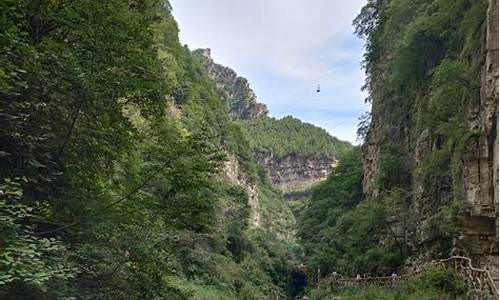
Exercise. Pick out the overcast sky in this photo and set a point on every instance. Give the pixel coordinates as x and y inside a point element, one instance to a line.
<point>285,48</point>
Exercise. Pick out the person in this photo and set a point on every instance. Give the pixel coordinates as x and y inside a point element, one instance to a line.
<point>358,277</point>
<point>394,276</point>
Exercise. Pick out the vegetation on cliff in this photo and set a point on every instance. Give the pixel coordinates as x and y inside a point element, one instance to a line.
<point>112,148</point>
<point>290,136</point>
<point>422,66</point>
<point>340,230</point>
<point>423,62</point>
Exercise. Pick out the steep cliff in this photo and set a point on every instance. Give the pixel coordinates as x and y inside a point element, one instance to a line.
<point>432,145</point>
<point>241,100</point>
<point>479,178</point>
<point>236,175</point>
<point>293,173</point>
<point>296,155</point>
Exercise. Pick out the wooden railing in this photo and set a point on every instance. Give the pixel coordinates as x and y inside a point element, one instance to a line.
<point>476,279</point>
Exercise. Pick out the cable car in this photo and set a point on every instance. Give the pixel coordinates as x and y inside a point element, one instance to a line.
<point>318,89</point>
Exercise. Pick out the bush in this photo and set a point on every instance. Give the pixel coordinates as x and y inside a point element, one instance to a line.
<point>439,279</point>
<point>392,168</point>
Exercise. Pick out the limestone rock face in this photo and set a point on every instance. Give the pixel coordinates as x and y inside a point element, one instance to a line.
<point>294,173</point>
<point>237,176</point>
<point>479,237</point>
<point>241,100</point>
<point>476,174</point>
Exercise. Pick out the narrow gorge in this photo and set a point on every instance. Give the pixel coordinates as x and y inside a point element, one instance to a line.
<point>135,167</point>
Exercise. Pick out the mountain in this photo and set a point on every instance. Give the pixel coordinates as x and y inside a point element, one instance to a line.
<point>434,123</point>
<point>294,154</point>
<point>134,168</point>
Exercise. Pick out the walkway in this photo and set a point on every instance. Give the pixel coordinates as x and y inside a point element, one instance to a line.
<point>478,280</point>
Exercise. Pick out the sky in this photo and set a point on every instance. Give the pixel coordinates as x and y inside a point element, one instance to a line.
<point>286,48</point>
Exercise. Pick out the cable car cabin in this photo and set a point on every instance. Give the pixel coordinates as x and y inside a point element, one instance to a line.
<point>318,89</point>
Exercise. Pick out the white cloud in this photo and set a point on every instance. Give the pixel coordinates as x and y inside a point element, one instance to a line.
<point>283,36</point>
<point>284,48</point>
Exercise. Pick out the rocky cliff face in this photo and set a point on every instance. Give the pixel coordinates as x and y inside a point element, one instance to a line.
<point>479,234</point>
<point>294,173</point>
<point>237,176</point>
<point>475,172</point>
<point>241,100</point>
<point>267,208</point>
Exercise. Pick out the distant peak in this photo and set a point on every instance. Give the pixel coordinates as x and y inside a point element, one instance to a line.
<point>205,52</point>
<point>241,100</point>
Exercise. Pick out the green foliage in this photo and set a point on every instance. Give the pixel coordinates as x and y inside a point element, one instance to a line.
<point>237,142</point>
<point>437,283</point>
<point>440,279</point>
<point>276,215</point>
<point>341,231</point>
<point>423,63</point>
<point>392,167</point>
<point>120,140</point>
<point>26,258</point>
<point>290,136</point>
<point>441,225</point>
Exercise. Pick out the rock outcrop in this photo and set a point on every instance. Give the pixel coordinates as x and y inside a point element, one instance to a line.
<point>479,236</point>
<point>236,175</point>
<point>267,209</point>
<point>241,100</point>
<point>294,173</point>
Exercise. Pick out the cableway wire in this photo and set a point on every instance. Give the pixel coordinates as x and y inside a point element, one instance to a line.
<point>327,74</point>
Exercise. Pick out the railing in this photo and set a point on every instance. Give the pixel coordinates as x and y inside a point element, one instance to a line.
<point>476,279</point>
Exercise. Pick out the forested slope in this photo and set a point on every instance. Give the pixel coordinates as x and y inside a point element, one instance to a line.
<point>295,154</point>
<point>113,148</point>
<point>290,136</point>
